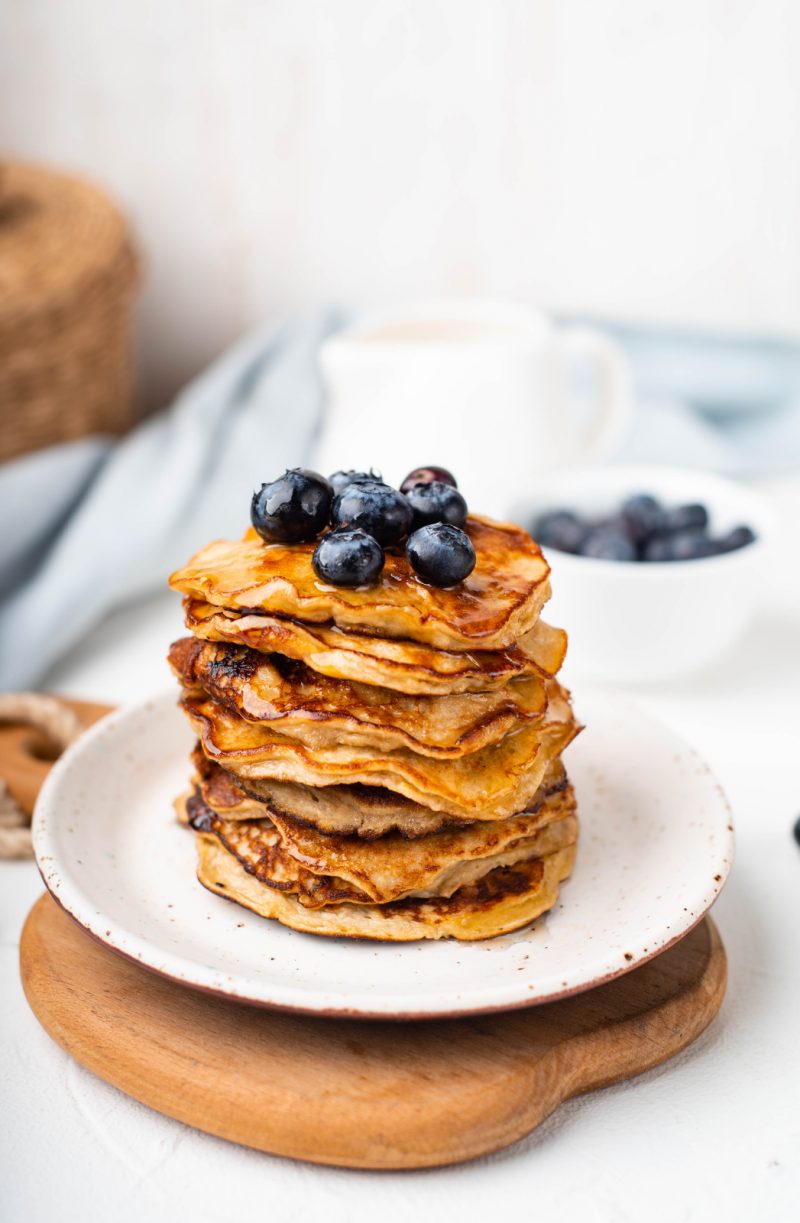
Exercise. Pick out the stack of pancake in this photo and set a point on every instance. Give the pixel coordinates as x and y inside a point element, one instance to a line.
<point>380,762</point>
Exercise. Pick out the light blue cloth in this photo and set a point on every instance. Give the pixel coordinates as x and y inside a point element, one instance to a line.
<point>729,404</point>
<point>91,525</point>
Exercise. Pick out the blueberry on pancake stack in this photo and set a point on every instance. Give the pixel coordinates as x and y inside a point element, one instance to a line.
<point>379,726</point>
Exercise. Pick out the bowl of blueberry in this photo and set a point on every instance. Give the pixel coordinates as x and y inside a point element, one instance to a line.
<point>656,571</point>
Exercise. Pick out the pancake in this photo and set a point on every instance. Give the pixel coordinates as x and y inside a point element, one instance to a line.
<point>367,812</point>
<point>325,712</point>
<point>261,850</point>
<point>391,867</point>
<point>492,783</point>
<point>493,607</point>
<point>501,901</point>
<point>404,666</point>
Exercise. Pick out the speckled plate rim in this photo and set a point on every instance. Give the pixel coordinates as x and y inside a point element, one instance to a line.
<point>184,972</point>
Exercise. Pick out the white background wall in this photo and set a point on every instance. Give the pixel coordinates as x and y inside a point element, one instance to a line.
<point>635,158</point>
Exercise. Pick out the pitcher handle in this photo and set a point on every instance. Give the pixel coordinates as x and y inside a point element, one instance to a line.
<point>613,399</point>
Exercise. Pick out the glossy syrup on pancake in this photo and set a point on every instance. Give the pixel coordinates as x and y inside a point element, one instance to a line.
<point>498,602</point>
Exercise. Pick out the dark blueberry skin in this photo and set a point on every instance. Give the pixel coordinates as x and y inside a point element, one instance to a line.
<point>607,543</point>
<point>560,529</point>
<point>692,545</point>
<point>680,546</point>
<point>436,502</point>
<point>796,830</point>
<point>685,518</point>
<point>659,548</point>
<point>441,554</point>
<point>643,516</point>
<point>642,530</point>
<point>340,479</point>
<point>348,558</point>
<point>739,537</point>
<point>427,475</point>
<point>376,508</point>
<point>292,509</point>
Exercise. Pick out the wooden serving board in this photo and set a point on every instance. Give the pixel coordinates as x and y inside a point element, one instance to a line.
<point>358,1094</point>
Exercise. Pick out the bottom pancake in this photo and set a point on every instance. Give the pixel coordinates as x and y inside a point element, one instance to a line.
<point>503,900</point>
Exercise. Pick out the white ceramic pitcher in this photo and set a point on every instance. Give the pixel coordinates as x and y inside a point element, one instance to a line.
<point>481,387</point>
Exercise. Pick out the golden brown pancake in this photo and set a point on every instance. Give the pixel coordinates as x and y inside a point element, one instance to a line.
<point>363,811</point>
<point>404,666</point>
<point>328,869</point>
<point>501,901</point>
<point>381,762</point>
<point>492,783</point>
<point>325,712</point>
<point>261,851</point>
<point>493,607</point>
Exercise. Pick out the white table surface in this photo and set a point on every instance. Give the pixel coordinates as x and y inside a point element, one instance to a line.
<point>714,1134</point>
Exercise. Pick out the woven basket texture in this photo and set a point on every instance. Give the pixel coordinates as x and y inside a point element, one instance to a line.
<point>68,275</point>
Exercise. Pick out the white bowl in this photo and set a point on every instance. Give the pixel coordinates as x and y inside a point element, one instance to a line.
<point>640,622</point>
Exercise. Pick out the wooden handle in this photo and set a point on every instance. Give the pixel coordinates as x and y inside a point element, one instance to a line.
<point>27,755</point>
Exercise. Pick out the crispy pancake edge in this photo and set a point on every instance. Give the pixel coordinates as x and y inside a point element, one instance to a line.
<point>323,869</point>
<point>290,697</point>
<point>439,785</point>
<point>404,921</point>
<point>405,666</point>
<point>231,798</point>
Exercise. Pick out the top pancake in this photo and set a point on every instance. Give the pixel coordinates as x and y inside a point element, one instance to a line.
<point>498,603</point>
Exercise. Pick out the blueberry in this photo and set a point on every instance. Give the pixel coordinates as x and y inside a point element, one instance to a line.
<point>621,524</point>
<point>340,479</point>
<point>436,502</point>
<point>692,545</point>
<point>685,518</point>
<point>427,475</point>
<point>659,548</point>
<point>680,546</point>
<point>796,830</point>
<point>376,508</point>
<point>293,508</point>
<point>739,537</point>
<point>643,515</point>
<point>605,542</point>
<point>560,529</point>
<point>441,554</point>
<point>348,558</point>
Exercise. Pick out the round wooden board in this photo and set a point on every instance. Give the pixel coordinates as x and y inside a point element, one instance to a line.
<point>353,1093</point>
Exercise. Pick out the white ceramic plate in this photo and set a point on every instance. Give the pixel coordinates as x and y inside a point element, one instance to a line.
<point>655,849</point>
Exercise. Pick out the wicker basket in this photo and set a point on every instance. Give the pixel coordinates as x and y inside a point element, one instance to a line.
<point>67,280</point>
